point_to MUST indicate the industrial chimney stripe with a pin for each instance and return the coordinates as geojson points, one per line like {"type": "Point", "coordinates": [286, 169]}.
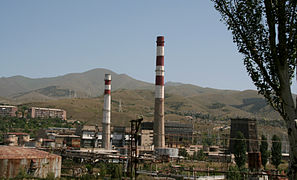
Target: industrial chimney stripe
{"type": "Point", "coordinates": [106, 112]}
{"type": "Point", "coordinates": [159, 129]}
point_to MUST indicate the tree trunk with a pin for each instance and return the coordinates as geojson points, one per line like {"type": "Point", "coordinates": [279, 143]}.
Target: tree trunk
{"type": "Point", "coordinates": [289, 115]}
{"type": "Point", "coordinates": [292, 134]}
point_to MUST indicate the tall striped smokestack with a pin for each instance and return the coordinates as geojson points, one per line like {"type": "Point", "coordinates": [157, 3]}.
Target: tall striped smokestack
{"type": "Point", "coordinates": [159, 130]}
{"type": "Point", "coordinates": [106, 113]}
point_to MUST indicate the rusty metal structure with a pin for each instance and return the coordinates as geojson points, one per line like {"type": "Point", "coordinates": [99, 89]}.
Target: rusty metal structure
{"type": "Point", "coordinates": [254, 161]}
{"type": "Point", "coordinates": [36, 163]}
{"type": "Point", "coordinates": [159, 129]}
{"type": "Point", "coordinates": [134, 136]}
{"type": "Point", "coordinates": [248, 127]}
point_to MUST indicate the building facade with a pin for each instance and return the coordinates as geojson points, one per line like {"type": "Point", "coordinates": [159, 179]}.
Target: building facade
{"type": "Point", "coordinates": [8, 111]}
{"type": "Point", "coordinates": [35, 163]}
{"type": "Point", "coordinates": [37, 112]}
{"type": "Point", "coordinates": [176, 134]}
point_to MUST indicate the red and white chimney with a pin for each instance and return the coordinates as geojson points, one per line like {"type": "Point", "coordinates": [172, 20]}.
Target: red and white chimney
{"type": "Point", "coordinates": [106, 113]}
{"type": "Point", "coordinates": [159, 129]}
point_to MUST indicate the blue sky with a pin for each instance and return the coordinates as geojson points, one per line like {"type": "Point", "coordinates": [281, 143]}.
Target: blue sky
{"type": "Point", "coordinates": [56, 37]}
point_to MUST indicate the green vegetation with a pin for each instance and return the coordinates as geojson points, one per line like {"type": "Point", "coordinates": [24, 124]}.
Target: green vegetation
{"type": "Point", "coordinates": [31, 126]}
{"type": "Point", "coordinates": [183, 152]}
{"type": "Point", "coordinates": [240, 150]}
{"type": "Point", "coordinates": [234, 173]}
{"type": "Point", "coordinates": [199, 155]}
{"type": "Point", "coordinates": [276, 151]}
{"type": "Point", "coordinates": [264, 151]}
{"type": "Point", "coordinates": [265, 34]}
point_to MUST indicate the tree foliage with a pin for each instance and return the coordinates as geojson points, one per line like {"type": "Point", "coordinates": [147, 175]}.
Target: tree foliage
{"type": "Point", "coordinates": [240, 150]}
{"type": "Point", "coordinates": [276, 151]}
{"type": "Point", "coordinates": [234, 173]}
{"type": "Point", "coordinates": [265, 32]}
{"type": "Point", "coordinates": [183, 152]}
{"type": "Point", "coordinates": [264, 151]}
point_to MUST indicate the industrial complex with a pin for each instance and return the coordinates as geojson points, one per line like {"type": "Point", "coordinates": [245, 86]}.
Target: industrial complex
{"type": "Point", "coordinates": [146, 142]}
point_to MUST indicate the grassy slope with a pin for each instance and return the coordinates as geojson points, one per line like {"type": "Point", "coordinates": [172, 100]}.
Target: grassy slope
{"type": "Point", "coordinates": [141, 102]}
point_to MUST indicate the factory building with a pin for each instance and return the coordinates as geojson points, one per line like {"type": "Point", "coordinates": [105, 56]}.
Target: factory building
{"type": "Point", "coordinates": [8, 111]}
{"type": "Point", "coordinates": [90, 136]}
{"type": "Point", "coordinates": [37, 112]}
{"type": "Point", "coordinates": [35, 163]}
{"type": "Point", "coordinates": [176, 134]}
{"type": "Point", "coordinates": [120, 136]}
{"type": "Point", "coordinates": [248, 127]}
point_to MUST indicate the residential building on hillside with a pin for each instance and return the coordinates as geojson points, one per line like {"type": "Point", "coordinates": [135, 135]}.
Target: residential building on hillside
{"type": "Point", "coordinates": [37, 112]}
{"type": "Point", "coordinates": [16, 138]}
{"type": "Point", "coordinates": [8, 111]}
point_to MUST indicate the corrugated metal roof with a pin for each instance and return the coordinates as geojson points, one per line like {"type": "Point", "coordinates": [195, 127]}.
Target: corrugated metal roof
{"type": "Point", "coordinates": [14, 152]}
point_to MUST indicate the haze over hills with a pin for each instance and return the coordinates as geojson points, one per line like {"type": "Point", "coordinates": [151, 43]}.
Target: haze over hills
{"type": "Point", "coordinates": [77, 94]}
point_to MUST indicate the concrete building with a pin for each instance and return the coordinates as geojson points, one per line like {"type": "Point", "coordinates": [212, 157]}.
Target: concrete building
{"type": "Point", "coordinates": [90, 136]}
{"type": "Point", "coordinates": [248, 127]}
{"type": "Point", "coordinates": [16, 138]}
{"type": "Point", "coordinates": [37, 112]}
{"type": "Point", "coordinates": [36, 163]}
{"type": "Point", "coordinates": [176, 134]}
{"type": "Point", "coordinates": [120, 136]}
{"type": "Point", "coordinates": [65, 140]}
{"type": "Point", "coordinates": [8, 111]}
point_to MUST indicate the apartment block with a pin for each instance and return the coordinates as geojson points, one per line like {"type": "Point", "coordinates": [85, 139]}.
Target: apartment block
{"type": "Point", "coordinates": [37, 112]}
{"type": "Point", "coordinates": [8, 111]}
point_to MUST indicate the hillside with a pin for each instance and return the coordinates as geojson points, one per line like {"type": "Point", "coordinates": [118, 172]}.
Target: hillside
{"type": "Point", "coordinates": [87, 84]}
{"type": "Point", "coordinates": [141, 102]}
{"type": "Point", "coordinates": [81, 95]}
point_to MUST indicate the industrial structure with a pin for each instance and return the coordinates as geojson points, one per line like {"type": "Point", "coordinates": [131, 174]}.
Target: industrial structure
{"type": "Point", "coordinates": [176, 134]}
{"type": "Point", "coordinates": [35, 163]}
{"type": "Point", "coordinates": [159, 129]}
{"type": "Point", "coordinates": [106, 113]}
{"type": "Point", "coordinates": [248, 127]}
{"type": "Point", "coordinates": [8, 111]}
{"type": "Point", "coordinates": [37, 112]}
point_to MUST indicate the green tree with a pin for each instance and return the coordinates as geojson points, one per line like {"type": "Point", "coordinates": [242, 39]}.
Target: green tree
{"type": "Point", "coordinates": [276, 151]}
{"type": "Point", "coordinates": [200, 155]}
{"type": "Point", "coordinates": [117, 172]}
{"type": "Point", "coordinates": [233, 173]}
{"type": "Point", "coordinates": [264, 151]}
{"type": "Point", "coordinates": [103, 170]}
{"type": "Point", "coordinates": [240, 150]}
{"type": "Point", "coordinates": [183, 152]}
{"type": "Point", "coordinates": [265, 33]}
